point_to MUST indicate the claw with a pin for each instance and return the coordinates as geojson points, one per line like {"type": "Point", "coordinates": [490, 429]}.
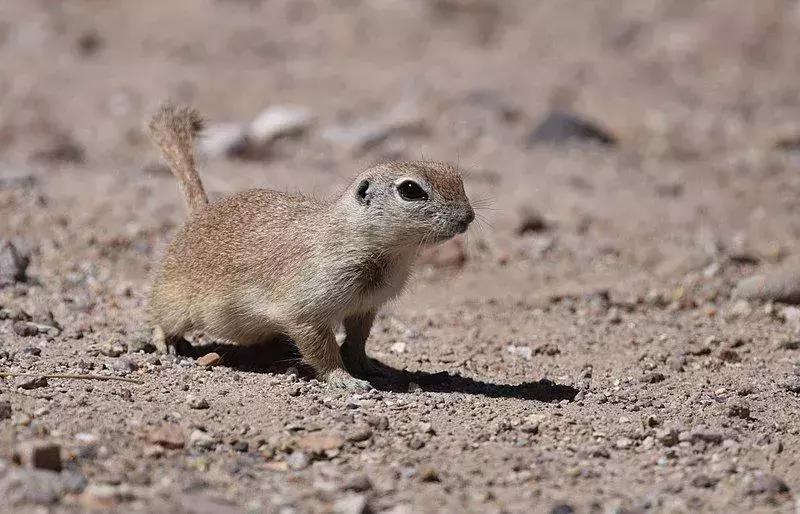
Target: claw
{"type": "Point", "coordinates": [342, 379]}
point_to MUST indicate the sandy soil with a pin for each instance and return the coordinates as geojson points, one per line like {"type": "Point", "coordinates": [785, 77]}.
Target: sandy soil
{"type": "Point", "coordinates": [600, 363]}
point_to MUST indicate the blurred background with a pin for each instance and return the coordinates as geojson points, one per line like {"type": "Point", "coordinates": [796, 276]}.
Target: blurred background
{"type": "Point", "coordinates": [693, 102]}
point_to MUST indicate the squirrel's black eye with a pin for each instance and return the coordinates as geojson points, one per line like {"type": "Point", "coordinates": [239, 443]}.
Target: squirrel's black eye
{"type": "Point", "coordinates": [363, 187]}
{"type": "Point", "coordinates": [411, 191]}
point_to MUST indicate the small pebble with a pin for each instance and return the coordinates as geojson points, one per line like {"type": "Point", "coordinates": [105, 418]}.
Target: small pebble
{"type": "Point", "coordinates": [13, 263]}
{"type": "Point", "coordinates": [413, 387]}
{"type": "Point", "coordinates": [704, 481]}
{"type": "Point", "coordinates": [766, 484]}
{"type": "Point", "coordinates": [298, 460]}
{"type": "Point", "coordinates": [279, 121]}
{"type": "Point", "coordinates": [416, 443]}
{"type": "Point", "coordinates": [359, 434]}
{"type": "Point", "coordinates": [25, 329]}
{"type": "Point", "coordinates": [358, 483]}
{"type": "Point", "coordinates": [125, 364]}
{"type": "Point", "coordinates": [201, 439]}
{"type": "Point", "coordinates": [667, 437]}
{"type": "Point", "coordinates": [39, 455]}
{"type": "Point", "coordinates": [653, 378]}
{"type": "Point", "coordinates": [739, 409]}
{"type": "Point", "coordinates": [5, 410]}
{"type": "Point", "coordinates": [31, 382]}
{"type": "Point", "coordinates": [195, 402]}
{"type": "Point", "coordinates": [778, 286]}
{"type": "Point", "coordinates": [168, 436]}
{"type": "Point", "coordinates": [113, 349]}
{"type": "Point", "coordinates": [351, 504]}
{"type": "Point", "coordinates": [210, 359]}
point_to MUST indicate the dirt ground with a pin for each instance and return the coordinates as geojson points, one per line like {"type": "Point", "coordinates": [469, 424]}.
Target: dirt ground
{"type": "Point", "coordinates": [599, 362]}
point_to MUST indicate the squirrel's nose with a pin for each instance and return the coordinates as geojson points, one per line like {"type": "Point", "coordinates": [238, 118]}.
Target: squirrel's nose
{"type": "Point", "coordinates": [464, 224]}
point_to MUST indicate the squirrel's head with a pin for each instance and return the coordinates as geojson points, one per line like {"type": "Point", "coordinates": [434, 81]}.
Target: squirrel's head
{"type": "Point", "coordinates": [411, 204]}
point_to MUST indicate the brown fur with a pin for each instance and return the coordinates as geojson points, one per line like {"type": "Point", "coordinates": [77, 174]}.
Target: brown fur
{"type": "Point", "coordinates": [174, 131]}
{"type": "Point", "coordinates": [262, 263]}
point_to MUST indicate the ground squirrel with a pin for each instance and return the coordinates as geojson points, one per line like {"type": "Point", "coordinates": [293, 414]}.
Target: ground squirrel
{"type": "Point", "coordinates": [261, 263]}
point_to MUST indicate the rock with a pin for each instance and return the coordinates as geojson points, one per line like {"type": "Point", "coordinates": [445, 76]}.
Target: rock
{"type": "Point", "coordinates": [378, 422]}
{"type": "Point", "coordinates": [667, 437]}
{"type": "Point", "coordinates": [704, 481]}
{"type": "Point", "coordinates": [791, 383]}
{"type": "Point", "coordinates": [359, 483]}
{"type": "Point", "coordinates": [279, 121]}
{"type": "Point", "coordinates": [777, 286]}
{"type": "Point", "coordinates": [624, 443]}
{"type": "Point", "coordinates": [789, 345]}
{"type": "Point", "coordinates": [113, 349]}
{"type": "Point", "coordinates": [298, 460]}
{"type": "Point", "coordinates": [141, 344]}
{"type": "Point", "coordinates": [13, 264]}
{"type": "Point", "coordinates": [356, 138]}
{"type": "Point", "coordinates": [352, 504]}
{"type": "Point", "coordinates": [168, 436]}
{"type": "Point", "coordinates": [5, 410]}
{"type": "Point", "coordinates": [24, 486]}
{"type": "Point", "coordinates": [653, 378]}
{"type": "Point", "coordinates": [39, 455]}
{"type": "Point", "coordinates": [702, 435]}
{"type": "Point", "coordinates": [222, 140]}
{"type": "Point", "coordinates": [89, 43]}
{"type": "Point", "coordinates": [494, 101]}
{"type": "Point", "coordinates": [320, 443]}
{"type": "Point", "coordinates": [73, 482]}
{"type": "Point", "coordinates": [429, 474]}
{"type": "Point", "coordinates": [766, 484]}
{"type": "Point", "coordinates": [530, 221]}
{"type": "Point", "coordinates": [416, 443]}
{"type": "Point", "coordinates": [31, 382]}
{"type": "Point", "coordinates": [195, 402]}
{"type": "Point", "coordinates": [359, 434]}
{"type": "Point", "coordinates": [560, 127]}
{"type": "Point", "coordinates": [791, 316]}
{"type": "Point", "coordinates": [562, 508]}
{"type": "Point", "coordinates": [398, 348]}
{"type": "Point", "coordinates": [125, 364]}
{"type": "Point", "coordinates": [362, 135]}
{"type": "Point", "coordinates": [728, 355]}
{"type": "Point", "coordinates": [739, 409]}
{"type": "Point", "coordinates": [740, 309]}
{"type": "Point", "coordinates": [200, 439]}
{"type": "Point", "coordinates": [60, 148]}
{"type": "Point", "coordinates": [426, 428]}
{"type": "Point", "coordinates": [105, 496]}
{"type": "Point", "coordinates": [25, 329]}
{"type": "Point", "coordinates": [32, 350]}
{"type": "Point", "coordinates": [209, 359]}
{"type": "Point", "coordinates": [450, 254]}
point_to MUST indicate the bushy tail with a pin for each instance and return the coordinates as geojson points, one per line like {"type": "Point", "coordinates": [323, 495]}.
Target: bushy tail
{"type": "Point", "coordinates": [174, 131]}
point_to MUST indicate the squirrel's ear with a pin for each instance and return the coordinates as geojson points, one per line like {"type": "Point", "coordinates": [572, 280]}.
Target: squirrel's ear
{"type": "Point", "coordinates": [363, 192]}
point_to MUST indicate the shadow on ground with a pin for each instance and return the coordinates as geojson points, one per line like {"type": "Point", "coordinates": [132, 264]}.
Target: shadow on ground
{"type": "Point", "coordinates": [280, 356]}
